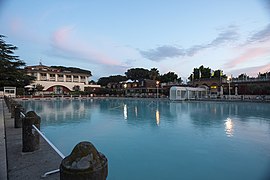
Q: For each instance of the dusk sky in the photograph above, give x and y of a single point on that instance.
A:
(109, 37)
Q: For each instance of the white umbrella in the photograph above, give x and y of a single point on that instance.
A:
(29, 86)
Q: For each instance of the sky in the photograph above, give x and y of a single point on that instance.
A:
(108, 37)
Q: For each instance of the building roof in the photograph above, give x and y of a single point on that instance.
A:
(58, 69)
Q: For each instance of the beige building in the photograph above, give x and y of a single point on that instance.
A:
(59, 80)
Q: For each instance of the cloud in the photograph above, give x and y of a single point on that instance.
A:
(223, 37)
(248, 55)
(260, 36)
(195, 49)
(19, 28)
(162, 52)
(167, 51)
(65, 44)
(16, 25)
(256, 46)
(251, 71)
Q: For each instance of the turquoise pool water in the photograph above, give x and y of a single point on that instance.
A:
(161, 140)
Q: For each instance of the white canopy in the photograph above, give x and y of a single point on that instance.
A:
(29, 86)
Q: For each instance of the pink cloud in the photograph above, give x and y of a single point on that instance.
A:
(16, 25)
(60, 36)
(264, 68)
(252, 71)
(19, 28)
(68, 44)
(248, 55)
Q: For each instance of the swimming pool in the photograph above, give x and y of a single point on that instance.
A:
(146, 139)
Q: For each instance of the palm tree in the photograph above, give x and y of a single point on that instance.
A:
(154, 73)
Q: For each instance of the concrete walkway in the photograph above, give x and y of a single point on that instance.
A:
(3, 162)
(25, 166)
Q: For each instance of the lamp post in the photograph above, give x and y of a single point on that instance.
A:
(125, 86)
(229, 81)
(157, 84)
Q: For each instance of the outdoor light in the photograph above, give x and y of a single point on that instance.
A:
(229, 78)
(125, 86)
(157, 83)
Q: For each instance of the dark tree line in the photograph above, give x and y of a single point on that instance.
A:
(205, 72)
(11, 67)
(140, 74)
(73, 69)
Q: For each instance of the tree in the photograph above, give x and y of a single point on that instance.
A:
(11, 73)
(265, 75)
(76, 88)
(103, 81)
(92, 82)
(179, 80)
(203, 72)
(39, 87)
(73, 69)
(218, 74)
(117, 78)
(137, 73)
(169, 77)
(243, 77)
(154, 73)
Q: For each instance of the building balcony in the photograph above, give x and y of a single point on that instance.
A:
(43, 78)
(60, 79)
(75, 80)
(68, 79)
(52, 78)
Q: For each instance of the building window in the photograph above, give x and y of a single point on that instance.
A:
(60, 77)
(68, 78)
(52, 77)
(75, 78)
(43, 76)
(82, 78)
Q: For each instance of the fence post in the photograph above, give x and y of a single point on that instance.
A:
(17, 118)
(12, 108)
(8, 102)
(30, 136)
(84, 162)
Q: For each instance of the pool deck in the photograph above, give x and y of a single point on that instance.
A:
(16, 165)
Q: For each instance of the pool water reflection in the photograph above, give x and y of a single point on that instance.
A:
(145, 139)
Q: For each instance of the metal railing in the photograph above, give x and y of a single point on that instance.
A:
(22, 115)
(49, 142)
(52, 146)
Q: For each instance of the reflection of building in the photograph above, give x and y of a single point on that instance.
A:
(58, 111)
(59, 79)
